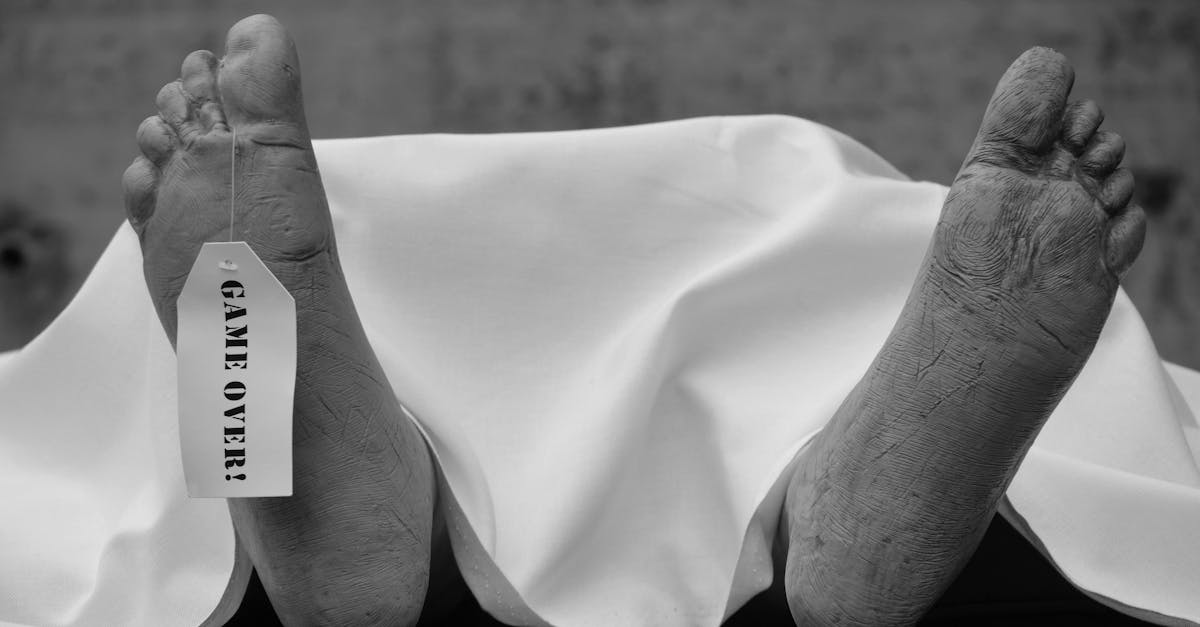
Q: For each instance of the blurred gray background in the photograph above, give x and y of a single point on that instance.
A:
(910, 80)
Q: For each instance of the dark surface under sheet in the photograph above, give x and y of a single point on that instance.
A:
(1007, 582)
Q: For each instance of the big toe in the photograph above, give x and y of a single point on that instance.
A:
(259, 78)
(1026, 109)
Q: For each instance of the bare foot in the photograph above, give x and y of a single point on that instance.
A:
(892, 497)
(352, 546)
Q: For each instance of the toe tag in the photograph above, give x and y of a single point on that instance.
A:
(236, 354)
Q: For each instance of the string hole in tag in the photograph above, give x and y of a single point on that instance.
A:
(227, 265)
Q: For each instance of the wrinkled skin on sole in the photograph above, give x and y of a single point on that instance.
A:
(352, 545)
(892, 497)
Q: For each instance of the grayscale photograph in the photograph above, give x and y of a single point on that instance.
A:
(592, 313)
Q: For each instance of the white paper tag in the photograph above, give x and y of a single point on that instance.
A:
(236, 351)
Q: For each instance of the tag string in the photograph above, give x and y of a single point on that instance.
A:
(232, 180)
(227, 264)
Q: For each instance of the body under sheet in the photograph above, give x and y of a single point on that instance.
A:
(616, 342)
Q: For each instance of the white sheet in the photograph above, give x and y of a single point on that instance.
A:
(616, 341)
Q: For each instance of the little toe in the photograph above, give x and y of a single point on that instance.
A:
(1116, 190)
(1027, 106)
(1127, 231)
(259, 77)
(140, 184)
(156, 140)
(1103, 153)
(1080, 122)
(175, 108)
(199, 79)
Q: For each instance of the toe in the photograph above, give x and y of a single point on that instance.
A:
(1080, 122)
(1027, 106)
(175, 108)
(1116, 190)
(1103, 154)
(198, 76)
(1127, 231)
(156, 140)
(259, 77)
(140, 183)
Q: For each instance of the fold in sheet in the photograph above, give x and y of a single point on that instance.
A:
(616, 343)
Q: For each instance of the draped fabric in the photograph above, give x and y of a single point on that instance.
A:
(616, 343)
